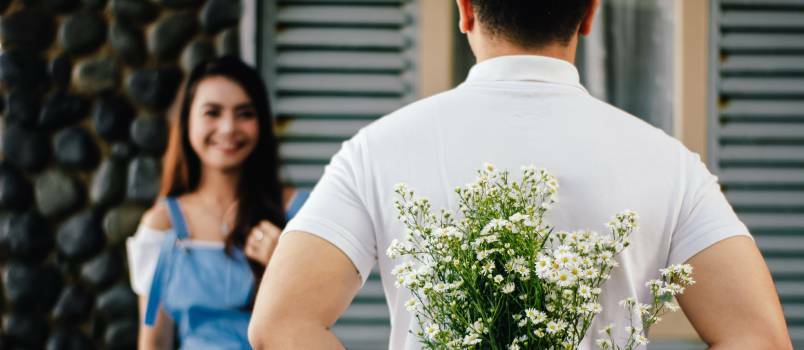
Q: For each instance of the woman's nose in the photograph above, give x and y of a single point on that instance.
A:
(227, 123)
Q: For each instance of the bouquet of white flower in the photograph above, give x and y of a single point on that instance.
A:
(500, 277)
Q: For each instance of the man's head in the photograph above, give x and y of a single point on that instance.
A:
(527, 25)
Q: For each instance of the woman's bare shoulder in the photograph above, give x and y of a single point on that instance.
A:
(157, 217)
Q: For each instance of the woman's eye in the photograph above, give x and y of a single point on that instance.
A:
(247, 114)
(212, 113)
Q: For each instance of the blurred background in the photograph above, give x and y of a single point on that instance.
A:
(86, 85)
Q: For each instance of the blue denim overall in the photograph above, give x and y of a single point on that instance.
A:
(204, 290)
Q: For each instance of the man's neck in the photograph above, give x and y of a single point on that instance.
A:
(498, 48)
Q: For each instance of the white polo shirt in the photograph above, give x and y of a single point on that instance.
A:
(514, 111)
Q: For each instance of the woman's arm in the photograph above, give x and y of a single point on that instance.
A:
(158, 336)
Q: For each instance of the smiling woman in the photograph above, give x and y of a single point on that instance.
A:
(220, 200)
(223, 125)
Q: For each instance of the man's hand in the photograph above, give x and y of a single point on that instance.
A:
(734, 304)
(307, 286)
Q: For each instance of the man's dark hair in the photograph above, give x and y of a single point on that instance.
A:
(532, 23)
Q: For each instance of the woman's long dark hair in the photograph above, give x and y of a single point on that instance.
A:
(259, 192)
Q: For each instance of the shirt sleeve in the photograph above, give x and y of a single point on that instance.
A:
(706, 217)
(143, 253)
(336, 210)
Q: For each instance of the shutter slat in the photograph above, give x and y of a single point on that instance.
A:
(317, 129)
(341, 61)
(791, 289)
(350, 107)
(763, 64)
(302, 173)
(741, 198)
(363, 336)
(774, 220)
(769, 131)
(762, 175)
(756, 42)
(757, 20)
(794, 313)
(316, 38)
(780, 244)
(309, 152)
(743, 109)
(342, 15)
(765, 153)
(786, 267)
(328, 83)
(759, 87)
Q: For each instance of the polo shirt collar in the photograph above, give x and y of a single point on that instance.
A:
(526, 68)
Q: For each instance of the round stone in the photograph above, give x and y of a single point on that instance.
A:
(109, 183)
(21, 69)
(15, 191)
(154, 87)
(219, 14)
(25, 148)
(143, 179)
(75, 148)
(25, 330)
(171, 34)
(195, 53)
(31, 288)
(69, 339)
(22, 107)
(181, 3)
(149, 133)
(228, 43)
(19, 283)
(26, 236)
(121, 335)
(74, 305)
(122, 151)
(28, 29)
(97, 75)
(57, 193)
(117, 303)
(122, 222)
(112, 117)
(62, 109)
(61, 69)
(102, 270)
(135, 11)
(61, 5)
(82, 33)
(81, 236)
(128, 42)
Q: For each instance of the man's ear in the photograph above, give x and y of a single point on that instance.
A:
(466, 20)
(589, 18)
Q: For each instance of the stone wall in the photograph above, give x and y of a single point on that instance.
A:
(85, 85)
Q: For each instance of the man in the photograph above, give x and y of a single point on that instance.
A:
(521, 104)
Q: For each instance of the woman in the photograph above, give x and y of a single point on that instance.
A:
(199, 252)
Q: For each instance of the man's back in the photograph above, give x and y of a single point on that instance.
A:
(515, 111)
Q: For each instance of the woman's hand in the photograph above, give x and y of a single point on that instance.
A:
(261, 242)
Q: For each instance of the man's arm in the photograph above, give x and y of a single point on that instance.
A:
(734, 304)
(307, 285)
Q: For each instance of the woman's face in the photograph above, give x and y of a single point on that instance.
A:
(223, 123)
